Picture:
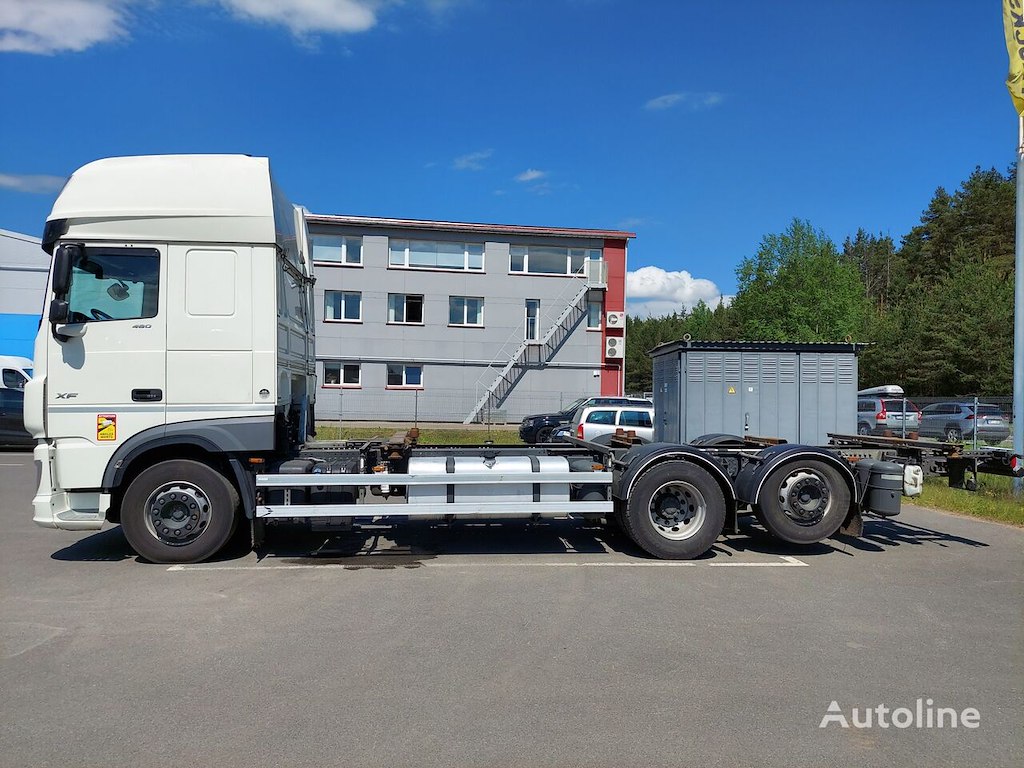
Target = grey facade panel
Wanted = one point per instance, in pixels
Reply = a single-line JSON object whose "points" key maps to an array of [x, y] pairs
{"points": [[458, 362], [23, 272]]}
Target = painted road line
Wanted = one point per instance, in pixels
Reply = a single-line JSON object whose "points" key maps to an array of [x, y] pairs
{"points": [[784, 561]]}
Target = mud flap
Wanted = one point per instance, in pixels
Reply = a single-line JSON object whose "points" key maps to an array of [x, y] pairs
{"points": [[853, 525]]}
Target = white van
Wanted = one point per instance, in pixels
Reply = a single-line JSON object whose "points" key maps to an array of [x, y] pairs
{"points": [[14, 371]]}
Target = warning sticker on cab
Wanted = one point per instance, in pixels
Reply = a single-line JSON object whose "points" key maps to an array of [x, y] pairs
{"points": [[106, 426]]}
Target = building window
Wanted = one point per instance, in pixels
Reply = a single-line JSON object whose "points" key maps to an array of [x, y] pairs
{"points": [[465, 310], [594, 314], [344, 306], [532, 320], [550, 260], [342, 375], [337, 249], [436, 254], [400, 375], [405, 308]]}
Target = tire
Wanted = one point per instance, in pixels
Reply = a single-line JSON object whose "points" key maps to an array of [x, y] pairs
{"points": [[953, 435], [863, 429], [544, 435], [179, 511], [676, 511], [803, 502]]}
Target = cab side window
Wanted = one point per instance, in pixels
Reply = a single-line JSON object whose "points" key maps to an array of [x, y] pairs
{"points": [[114, 284]]}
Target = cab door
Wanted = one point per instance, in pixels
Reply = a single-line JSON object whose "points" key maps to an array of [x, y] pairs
{"points": [[106, 367]]}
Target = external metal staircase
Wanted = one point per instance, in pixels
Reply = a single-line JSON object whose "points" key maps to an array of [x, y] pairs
{"points": [[541, 351]]}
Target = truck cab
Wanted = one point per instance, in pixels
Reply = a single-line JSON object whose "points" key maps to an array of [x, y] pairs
{"points": [[158, 344]]}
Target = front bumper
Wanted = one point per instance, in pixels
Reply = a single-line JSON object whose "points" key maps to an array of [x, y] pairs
{"points": [[54, 507]]}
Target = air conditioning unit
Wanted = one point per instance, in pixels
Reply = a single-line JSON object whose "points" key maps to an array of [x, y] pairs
{"points": [[615, 319], [614, 347]]}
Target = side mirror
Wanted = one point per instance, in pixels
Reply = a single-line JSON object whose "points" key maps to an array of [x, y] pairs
{"points": [[62, 261], [58, 311]]}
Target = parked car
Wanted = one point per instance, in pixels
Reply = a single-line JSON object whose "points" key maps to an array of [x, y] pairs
{"points": [[14, 371], [541, 427], [884, 415], [596, 420], [12, 420], [957, 422]]}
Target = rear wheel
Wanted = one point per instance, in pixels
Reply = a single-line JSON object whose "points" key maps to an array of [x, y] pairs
{"points": [[863, 428], [803, 502], [676, 511], [179, 511]]}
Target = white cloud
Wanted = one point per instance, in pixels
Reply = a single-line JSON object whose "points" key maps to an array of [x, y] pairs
{"points": [[692, 101], [664, 102], [632, 222], [36, 184], [652, 292], [473, 161], [531, 174], [303, 17], [61, 26], [56, 26]]}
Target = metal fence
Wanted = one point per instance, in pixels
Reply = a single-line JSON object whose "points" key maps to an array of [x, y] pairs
{"points": [[967, 426]]}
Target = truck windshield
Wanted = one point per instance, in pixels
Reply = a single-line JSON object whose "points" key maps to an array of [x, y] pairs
{"points": [[114, 284]]}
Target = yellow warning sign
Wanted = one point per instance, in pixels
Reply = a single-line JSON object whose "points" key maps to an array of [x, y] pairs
{"points": [[106, 426], [732, 390]]}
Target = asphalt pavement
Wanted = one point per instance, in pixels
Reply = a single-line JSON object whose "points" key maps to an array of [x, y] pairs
{"points": [[507, 645]]}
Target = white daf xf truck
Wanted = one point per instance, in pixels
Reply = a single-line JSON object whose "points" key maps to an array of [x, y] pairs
{"points": [[174, 384]]}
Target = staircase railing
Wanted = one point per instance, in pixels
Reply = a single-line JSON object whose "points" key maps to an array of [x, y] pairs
{"points": [[594, 275]]}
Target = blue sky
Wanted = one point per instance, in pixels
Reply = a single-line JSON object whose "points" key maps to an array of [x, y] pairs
{"points": [[701, 126]]}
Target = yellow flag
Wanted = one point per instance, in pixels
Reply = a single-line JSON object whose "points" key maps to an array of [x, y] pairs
{"points": [[1013, 24]]}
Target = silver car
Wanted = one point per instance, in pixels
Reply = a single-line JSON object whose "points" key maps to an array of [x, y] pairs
{"points": [[598, 420], [957, 422], [886, 416]]}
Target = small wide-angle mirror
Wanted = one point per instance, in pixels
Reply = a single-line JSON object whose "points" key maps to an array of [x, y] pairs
{"points": [[58, 311]]}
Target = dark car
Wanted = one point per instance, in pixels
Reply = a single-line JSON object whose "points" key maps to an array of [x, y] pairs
{"points": [[957, 422], [12, 420], [538, 428]]}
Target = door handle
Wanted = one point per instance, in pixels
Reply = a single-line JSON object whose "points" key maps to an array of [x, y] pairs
{"points": [[147, 395]]}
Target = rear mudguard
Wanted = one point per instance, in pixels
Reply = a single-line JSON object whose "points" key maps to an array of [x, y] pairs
{"points": [[639, 459], [752, 477]]}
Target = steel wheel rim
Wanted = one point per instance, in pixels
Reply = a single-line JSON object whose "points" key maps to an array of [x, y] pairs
{"points": [[805, 497], [178, 513], [677, 510]]}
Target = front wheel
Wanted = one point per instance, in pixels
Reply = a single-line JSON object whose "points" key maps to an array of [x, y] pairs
{"points": [[676, 511], [179, 511], [544, 435], [953, 435], [803, 502]]}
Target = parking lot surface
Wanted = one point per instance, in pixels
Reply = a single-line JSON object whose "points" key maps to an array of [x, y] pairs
{"points": [[514, 645]]}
